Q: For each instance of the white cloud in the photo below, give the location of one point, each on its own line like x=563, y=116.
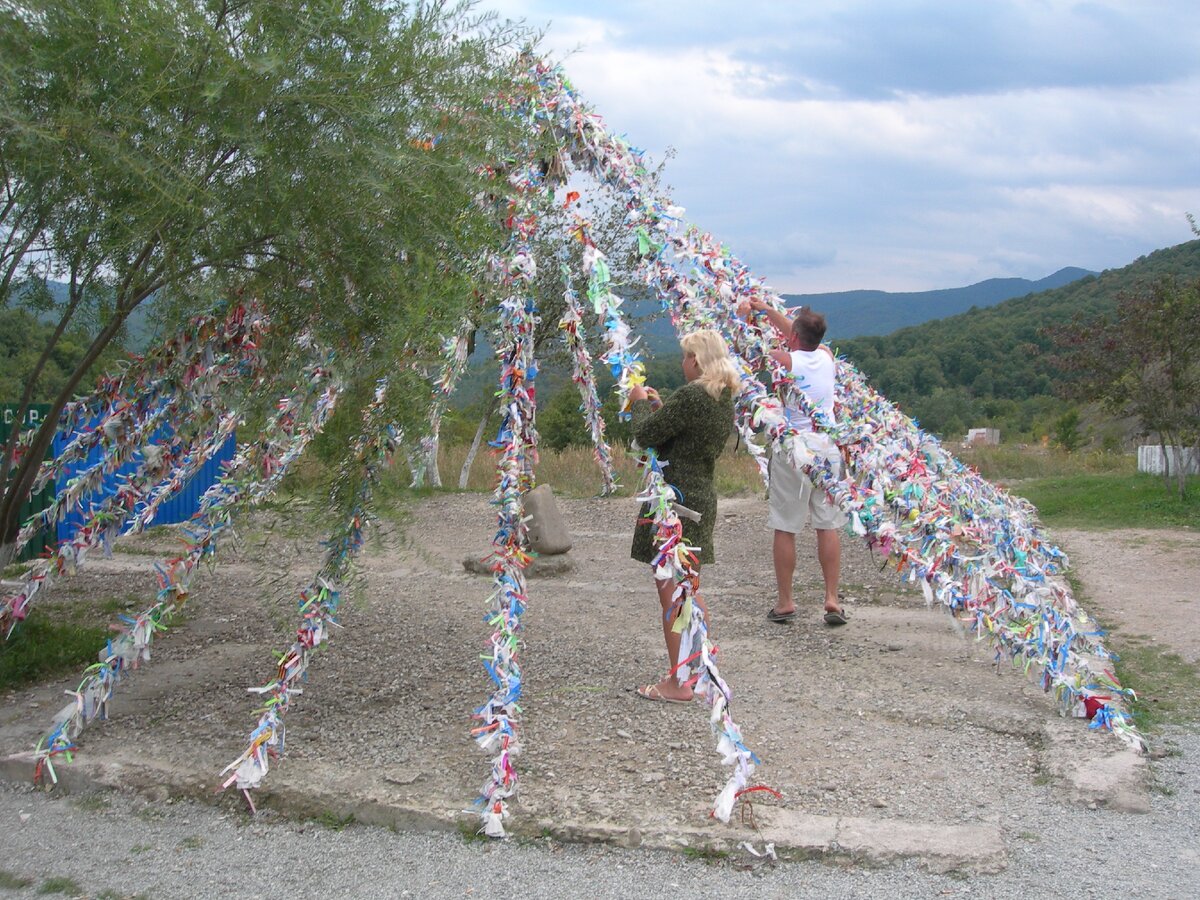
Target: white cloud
x=945, y=168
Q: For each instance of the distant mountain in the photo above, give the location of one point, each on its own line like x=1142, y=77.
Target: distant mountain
x=139, y=331
x=860, y=313
x=994, y=365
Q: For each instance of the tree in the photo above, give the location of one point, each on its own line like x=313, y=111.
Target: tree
x=1144, y=362
x=327, y=158
x=1066, y=431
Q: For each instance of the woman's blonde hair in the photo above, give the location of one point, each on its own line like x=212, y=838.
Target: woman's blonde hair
x=712, y=355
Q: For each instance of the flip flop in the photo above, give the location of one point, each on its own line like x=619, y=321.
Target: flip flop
x=835, y=617
x=781, y=618
x=652, y=693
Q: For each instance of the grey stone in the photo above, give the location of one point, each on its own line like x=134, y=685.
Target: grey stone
x=548, y=534
x=539, y=567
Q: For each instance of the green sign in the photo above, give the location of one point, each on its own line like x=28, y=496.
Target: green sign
x=34, y=416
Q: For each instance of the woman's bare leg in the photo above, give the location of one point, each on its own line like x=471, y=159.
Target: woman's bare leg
x=669, y=686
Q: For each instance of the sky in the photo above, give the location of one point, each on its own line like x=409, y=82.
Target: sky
x=902, y=145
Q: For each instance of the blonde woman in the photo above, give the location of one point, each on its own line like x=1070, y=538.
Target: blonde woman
x=688, y=432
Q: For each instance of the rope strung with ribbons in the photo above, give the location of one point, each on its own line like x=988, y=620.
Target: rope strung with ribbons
x=253, y=474
x=973, y=547
x=318, y=602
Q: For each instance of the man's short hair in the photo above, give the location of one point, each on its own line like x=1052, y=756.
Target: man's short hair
x=809, y=328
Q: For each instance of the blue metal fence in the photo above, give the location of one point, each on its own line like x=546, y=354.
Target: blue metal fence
x=178, y=508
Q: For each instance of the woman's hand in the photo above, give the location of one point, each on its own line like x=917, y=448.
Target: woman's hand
x=645, y=392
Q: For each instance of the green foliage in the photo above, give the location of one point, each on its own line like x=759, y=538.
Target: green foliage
x=1111, y=501
x=11, y=882
x=22, y=338
x=996, y=362
x=1143, y=362
x=45, y=646
x=61, y=885
x=560, y=421
x=325, y=158
x=1066, y=431
x=1167, y=686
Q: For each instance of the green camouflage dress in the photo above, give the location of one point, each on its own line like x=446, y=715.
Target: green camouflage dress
x=689, y=432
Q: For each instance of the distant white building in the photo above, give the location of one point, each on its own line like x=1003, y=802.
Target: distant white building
x=986, y=436
x=1151, y=459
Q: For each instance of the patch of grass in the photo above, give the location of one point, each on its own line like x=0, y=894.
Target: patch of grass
x=92, y=802
x=11, y=882
x=115, y=606
x=141, y=848
x=470, y=832
x=1112, y=501
x=333, y=821
x=709, y=855
x=1167, y=686
x=44, y=646
x=573, y=472
x=194, y=842
x=60, y=885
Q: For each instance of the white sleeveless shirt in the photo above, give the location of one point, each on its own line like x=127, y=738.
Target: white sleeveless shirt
x=816, y=373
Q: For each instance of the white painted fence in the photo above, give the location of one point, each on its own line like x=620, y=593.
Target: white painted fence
x=1150, y=459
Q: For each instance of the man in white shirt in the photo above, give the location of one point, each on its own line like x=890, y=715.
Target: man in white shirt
x=793, y=497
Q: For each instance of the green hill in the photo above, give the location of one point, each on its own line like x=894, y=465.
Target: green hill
x=990, y=366
x=857, y=313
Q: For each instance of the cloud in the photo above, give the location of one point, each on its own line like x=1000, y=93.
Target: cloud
x=836, y=145
x=867, y=49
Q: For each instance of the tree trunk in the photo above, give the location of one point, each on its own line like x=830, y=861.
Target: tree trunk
x=431, y=462
x=10, y=447
x=424, y=464
x=1180, y=469
x=465, y=475
x=1166, y=472
x=18, y=486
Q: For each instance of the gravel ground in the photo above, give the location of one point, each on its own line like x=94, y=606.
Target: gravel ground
x=119, y=846
x=894, y=717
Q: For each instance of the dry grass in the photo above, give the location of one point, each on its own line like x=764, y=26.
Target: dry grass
x=573, y=472
x=1009, y=462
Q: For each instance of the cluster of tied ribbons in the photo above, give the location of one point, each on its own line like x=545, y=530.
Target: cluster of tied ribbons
x=192, y=376
x=971, y=547
x=498, y=728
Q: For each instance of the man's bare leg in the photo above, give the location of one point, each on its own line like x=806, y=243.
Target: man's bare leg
x=783, y=552
x=829, y=554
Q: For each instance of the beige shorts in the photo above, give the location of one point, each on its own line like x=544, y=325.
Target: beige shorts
x=794, y=499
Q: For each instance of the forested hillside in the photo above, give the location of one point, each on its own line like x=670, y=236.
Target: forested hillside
x=857, y=313
x=992, y=366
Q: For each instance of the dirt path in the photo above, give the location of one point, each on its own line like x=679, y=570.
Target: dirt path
x=895, y=718
x=1143, y=583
